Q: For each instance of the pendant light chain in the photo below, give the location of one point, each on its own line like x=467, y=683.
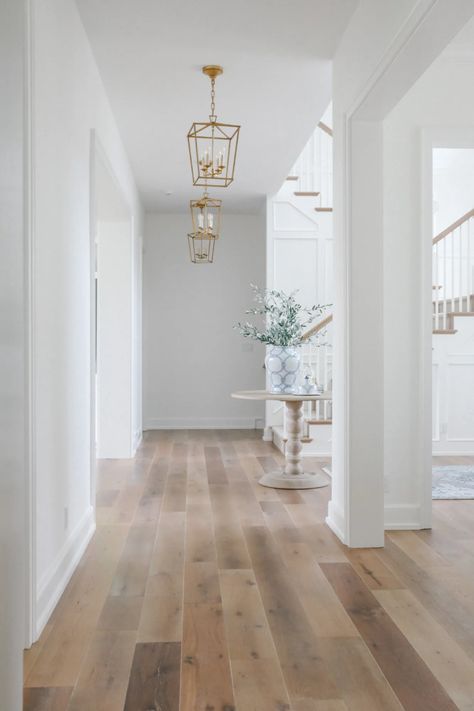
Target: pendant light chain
x=212, y=115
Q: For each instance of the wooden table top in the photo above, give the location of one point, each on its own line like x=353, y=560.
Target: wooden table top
x=283, y=397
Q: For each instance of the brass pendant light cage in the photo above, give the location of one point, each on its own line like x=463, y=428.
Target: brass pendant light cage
x=206, y=220
x=213, y=145
x=212, y=153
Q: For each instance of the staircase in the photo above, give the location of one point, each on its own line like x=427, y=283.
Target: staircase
x=306, y=199
x=453, y=274
x=306, y=212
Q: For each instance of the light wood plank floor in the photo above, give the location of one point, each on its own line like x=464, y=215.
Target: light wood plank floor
x=203, y=591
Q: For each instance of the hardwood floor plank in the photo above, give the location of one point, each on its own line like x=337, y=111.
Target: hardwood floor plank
x=102, y=683
x=407, y=673
x=372, y=570
x=132, y=570
x=451, y=607
x=201, y=583
x=325, y=612
x=446, y=659
x=216, y=473
x=46, y=698
x=327, y=705
x=304, y=670
x=155, y=678
x=174, y=497
x=359, y=678
x=200, y=544
x=247, y=630
x=259, y=686
x=422, y=554
x=161, y=619
x=120, y=612
x=229, y=539
x=206, y=681
x=31, y=655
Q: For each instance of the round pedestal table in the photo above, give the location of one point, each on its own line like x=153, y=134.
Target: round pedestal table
x=292, y=476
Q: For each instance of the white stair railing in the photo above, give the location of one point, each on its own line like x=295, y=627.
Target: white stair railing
x=453, y=272
x=316, y=356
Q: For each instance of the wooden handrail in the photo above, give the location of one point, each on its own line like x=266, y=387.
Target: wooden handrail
x=316, y=328
x=324, y=127
x=454, y=226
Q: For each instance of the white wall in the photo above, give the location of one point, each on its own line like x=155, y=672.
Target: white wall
x=453, y=386
x=69, y=101
x=438, y=101
x=13, y=410
x=453, y=185
x=114, y=340
x=193, y=359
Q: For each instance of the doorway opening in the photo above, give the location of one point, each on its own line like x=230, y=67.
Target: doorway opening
x=453, y=323
x=112, y=326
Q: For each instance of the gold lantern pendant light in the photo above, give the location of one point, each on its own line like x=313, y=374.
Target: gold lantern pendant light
x=213, y=145
x=206, y=219
x=212, y=153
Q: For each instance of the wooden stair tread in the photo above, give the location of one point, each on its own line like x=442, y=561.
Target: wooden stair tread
x=444, y=331
x=459, y=313
x=324, y=127
x=323, y=209
x=292, y=177
x=302, y=193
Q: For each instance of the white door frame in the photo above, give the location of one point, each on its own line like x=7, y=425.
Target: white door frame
x=358, y=466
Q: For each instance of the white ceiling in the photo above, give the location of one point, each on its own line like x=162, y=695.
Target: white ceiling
x=277, y=83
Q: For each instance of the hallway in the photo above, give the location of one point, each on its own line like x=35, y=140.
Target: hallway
x=203, y=586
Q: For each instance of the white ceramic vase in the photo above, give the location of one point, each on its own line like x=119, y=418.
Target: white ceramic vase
x=283, y=364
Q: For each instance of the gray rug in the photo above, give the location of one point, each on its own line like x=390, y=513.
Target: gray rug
x=453, y=482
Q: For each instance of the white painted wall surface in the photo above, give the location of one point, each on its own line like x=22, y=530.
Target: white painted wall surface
x=453, y=388
x=13, y=349
x=69, y=101
x=193, y=359
x=114, y=340
x=438, y=101
x=453, y=185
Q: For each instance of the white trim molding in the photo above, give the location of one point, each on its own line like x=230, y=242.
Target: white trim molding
x=56, y=577
x=336, y=521
x=137, y=440
x=203, y=423
x=30, y=335
x=403, y=517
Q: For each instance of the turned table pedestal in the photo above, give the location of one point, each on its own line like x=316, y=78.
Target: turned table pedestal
x=292, y=476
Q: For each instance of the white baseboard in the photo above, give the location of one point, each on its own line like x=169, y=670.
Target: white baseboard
x=203, y=423
x=335, y=521
x=454, y=453
x=402, y=517
x=137, y=441
x=55, y=579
